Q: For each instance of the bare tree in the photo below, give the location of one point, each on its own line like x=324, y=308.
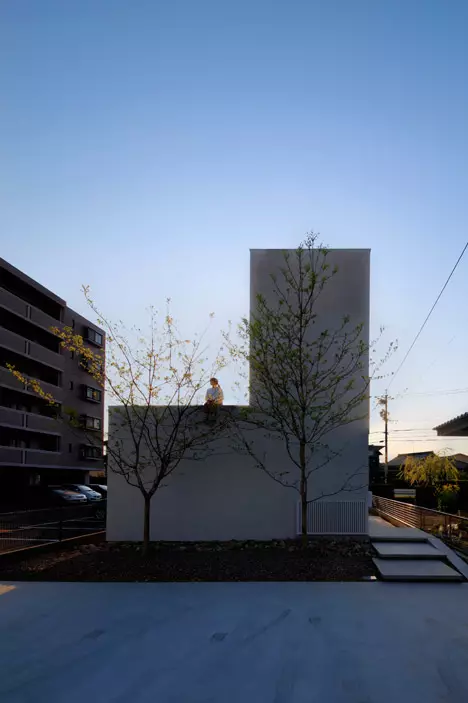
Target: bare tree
x=154, y=379
x=306, y=380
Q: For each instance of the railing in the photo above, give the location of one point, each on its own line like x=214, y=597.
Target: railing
x=451, y=528
x=27, y=528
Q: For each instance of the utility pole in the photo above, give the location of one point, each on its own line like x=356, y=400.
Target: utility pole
x=383, y=401
x=386, y=435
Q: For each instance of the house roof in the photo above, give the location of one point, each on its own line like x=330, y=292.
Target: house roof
x=400, y=459
x=456, y=427
x=461, y=460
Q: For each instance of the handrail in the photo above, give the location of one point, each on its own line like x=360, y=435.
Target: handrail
x=421, y=507
x=450, y=527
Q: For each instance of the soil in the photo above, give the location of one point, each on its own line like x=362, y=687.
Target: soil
x=288, y=560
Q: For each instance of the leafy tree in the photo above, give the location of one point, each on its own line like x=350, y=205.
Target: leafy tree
x=154, y=379
x=437, y=471
x=306, y=380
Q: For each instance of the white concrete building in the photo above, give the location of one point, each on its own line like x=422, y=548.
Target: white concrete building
x=226, y=496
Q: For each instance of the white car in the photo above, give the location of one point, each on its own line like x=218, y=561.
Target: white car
x=81, y=488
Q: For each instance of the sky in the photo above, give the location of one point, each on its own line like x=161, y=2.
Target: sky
x=146, y=146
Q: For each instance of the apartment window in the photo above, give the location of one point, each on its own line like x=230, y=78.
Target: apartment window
x=73, y=323
x=94, y=365
x=70, y=448
x=71, y=385
x=93, y=394
x=90, y=452
x=94, y=337
x=93, y=423
x=72, y=355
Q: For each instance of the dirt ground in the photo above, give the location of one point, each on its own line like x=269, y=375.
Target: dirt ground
x=288, y=560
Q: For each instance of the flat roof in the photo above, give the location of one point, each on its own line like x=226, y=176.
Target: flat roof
x=27, y=279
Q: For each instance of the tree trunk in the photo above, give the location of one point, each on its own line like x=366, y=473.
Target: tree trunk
x=146, y=524
x=303, y=491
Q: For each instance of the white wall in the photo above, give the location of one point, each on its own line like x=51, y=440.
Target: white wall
x=226, y=496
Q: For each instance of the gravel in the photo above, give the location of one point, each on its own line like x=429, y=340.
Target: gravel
x=280, y=560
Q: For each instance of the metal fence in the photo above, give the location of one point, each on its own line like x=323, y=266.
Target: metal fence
x=451, y=528
x=27, y=528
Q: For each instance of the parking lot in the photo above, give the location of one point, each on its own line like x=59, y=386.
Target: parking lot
x=26, y=528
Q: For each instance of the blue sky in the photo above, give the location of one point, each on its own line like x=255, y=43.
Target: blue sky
x=147, y=146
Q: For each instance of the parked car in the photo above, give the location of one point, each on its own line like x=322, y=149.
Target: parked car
x=91, y=495
x=100, y=488
x=50, y=496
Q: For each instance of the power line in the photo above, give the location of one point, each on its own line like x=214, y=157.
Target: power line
x=410, y=429
x=447, y=391
x=427, y=439
x=429, y=314
x=453, y=391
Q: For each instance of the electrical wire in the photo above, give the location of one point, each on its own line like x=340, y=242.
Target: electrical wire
x=428, y=315
x=408, y=429
x=426, y=439
x=453, y=391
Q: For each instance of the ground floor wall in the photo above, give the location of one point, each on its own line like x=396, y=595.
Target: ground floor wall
x=225, y=496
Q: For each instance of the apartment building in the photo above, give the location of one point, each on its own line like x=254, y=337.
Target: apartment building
x=36, y=444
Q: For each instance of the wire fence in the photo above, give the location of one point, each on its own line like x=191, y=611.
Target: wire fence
x=27, y=528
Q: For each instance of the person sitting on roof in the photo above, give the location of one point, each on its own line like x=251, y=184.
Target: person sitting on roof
x=214, y=395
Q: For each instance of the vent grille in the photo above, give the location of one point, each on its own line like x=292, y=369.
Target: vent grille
x=335, y=517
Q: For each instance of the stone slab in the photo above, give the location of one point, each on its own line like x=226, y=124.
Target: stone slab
x=380, y=530
x=416, y=570
x=452, y=557
x=407, y=550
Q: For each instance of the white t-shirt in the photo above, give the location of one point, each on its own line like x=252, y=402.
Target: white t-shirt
x=215, y=395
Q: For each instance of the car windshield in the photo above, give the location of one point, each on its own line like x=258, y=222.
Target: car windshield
x=81, y=488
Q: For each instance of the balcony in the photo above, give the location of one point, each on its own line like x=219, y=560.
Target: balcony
x=23, y=327
x=10, y=301
x=11, y=418
x=46, y=356
x=38, y=457
x=7, y=379
x=11, y=455
x=21, y=307
x=28, y=421
x=41, y=423
x=19, y=344
x=29, y=457
x=13, y=341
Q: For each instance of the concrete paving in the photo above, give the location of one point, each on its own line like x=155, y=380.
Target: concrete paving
x=406, y=550
x=413, y=570
x=234, y=643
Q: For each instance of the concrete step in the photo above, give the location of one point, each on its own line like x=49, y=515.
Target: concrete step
x=415, y=570
x=398, y=534
x=406, y=550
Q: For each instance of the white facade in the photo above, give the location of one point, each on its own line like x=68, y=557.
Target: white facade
x=225, y=496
